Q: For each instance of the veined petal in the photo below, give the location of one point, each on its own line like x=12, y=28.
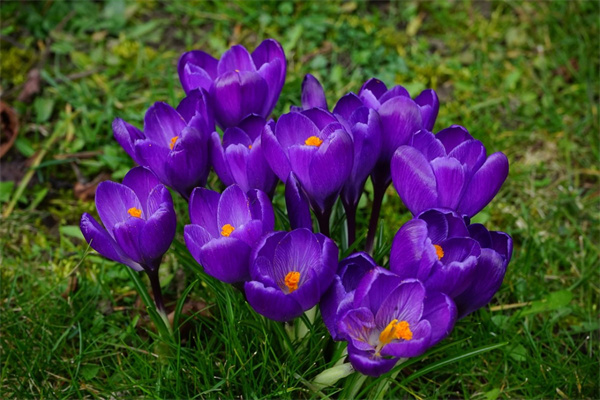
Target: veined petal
x=405, y=303
x=162, y=123
x=297, y=205
x=272, y=302
x=312, y=93
x=113, y=200
x=429, y=103
x=226, y=259
x=203, y=210
x=234, y=208
x=484, y=185
x=414, y=179
x=196, y=69
x=126, y=135
x=453, y=136
x=400, y=119
x=158, y=232
x=411, y=348
x=274, y=153
x=235, y=59
x=293, y=129
x=412, y=254
x=450, y=181
x=261, y=209
x=367, y=363
x=142, y=181
x=440, y=311
x=195, y=237
x=127, y=234
x=153, y=156
x=218, y=161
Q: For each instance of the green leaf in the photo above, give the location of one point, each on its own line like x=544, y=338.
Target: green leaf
x=518, y=353
x=71, y=230
x=88, y=372
x=492, y=394
x=43, y=109
x=551, y=302
x=6, y=189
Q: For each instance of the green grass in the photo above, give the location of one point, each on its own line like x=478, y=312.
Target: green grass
x=521, y=76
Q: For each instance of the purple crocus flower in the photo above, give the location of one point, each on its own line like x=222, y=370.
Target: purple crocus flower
x=290, y=271
x=296, y=203
x=466, y=263
x=240, y=158
x=436, y=249
x=449, y=170
x=239, y=83
x=339, y=298
x=139, y=223
x=174, y=144
x=393, y=318
x=224, y=229
x=401, y=117
x=317, y=148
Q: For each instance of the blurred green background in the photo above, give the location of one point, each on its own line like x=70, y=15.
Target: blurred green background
x=521, y=76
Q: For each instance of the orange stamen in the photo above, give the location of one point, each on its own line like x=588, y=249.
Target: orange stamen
x=135, y=212
x=291, y=280
x=394, y=330
x=226, y=230
x=173, y=140
x=439, y=251
x=313, y=141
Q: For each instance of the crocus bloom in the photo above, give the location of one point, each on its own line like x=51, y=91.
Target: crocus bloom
x=240, y=158
x=313, y=95
x=239, y=83
x=290, y=272
x=224, y=229
x=339, y=298
x=317, y=148
x=449, y=170
x=296, y=203
x=364, y=125
x=174, y=144
x=436, y=249
x=496, y=251
x=139, y=224
x=392, y=318
x=401, y=117
x=138, y=218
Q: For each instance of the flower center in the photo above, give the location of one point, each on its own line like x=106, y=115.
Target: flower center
x=291, y=280
x=439, y=251
x=250, y=146
x=313, y=141
x=173, y=140
x=135, y=212
x=226, y=230
x=394, y=330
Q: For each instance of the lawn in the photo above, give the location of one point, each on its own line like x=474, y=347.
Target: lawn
x=521, y=76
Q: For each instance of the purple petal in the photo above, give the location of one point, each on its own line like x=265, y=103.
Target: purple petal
x=450, y=180
x=261, y=209
x=374, y=288
x=195, y=237
x=400, y=119
x=103, y=243
x=453, y=136
x=203, y=210
x=196, y=69
x=297, y=204
x=414, y=179
x=312, y=93
x=260, y=175
x=329, y=305
x=470, y=153
x=375, y=86
x=353, y=268
x=235, y=59
x=405, y=303
x=266, y=52
x=293, y=129
x=218, y=161
x=503, y=244
x=126, y=135
x=367, y=363
x=112, y=202
x=153, y=156
x=412, y=254
x=484, y=185
x=297, y=251
x=347, y=105
x=253, y=125
x=430, y=105
x=443, y=224
x=455, y=271
x=274, y=153
x=158, y=232
x=394, y=92
x=265, y=247
x=320, y=117
x=226, y=259
x=234, y=208
x=236, y=156
x=269, y=58
x=440, y=311
x=426, y=143
x=236, y=95
x=301, y=157
x=127, y=234
x=488, y=276
x=271, y=302
x=356, y=326
x=162, y=123
x=141, y=180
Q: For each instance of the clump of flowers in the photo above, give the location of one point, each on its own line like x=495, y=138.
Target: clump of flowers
x=441, y=267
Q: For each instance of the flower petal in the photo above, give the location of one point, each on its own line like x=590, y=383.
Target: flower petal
x=127, y=234
x=218, y=161
x=126, y=135
x=412, y=254
x=298, y=209
x=261, y=209
x=235, y=59
x=158, y=232
x=274, y=153
x=429, y=103
x=162, y=123
x=367, y=363
x=234, y=208
x=404, y=303
x=293, y=129
x=411, y=348
x=195, y=237
x=112, y=202
x=141, y=180
x=453, y=136
x=450, y=181
x=414, y=179
x=155, y=157
x=103, y=243
x=236, y=95
x=484, y=185
x=203, y=210
x=440, y=311
x=226, y=259
x=196, y=69
x=272, y=302
x=400, y=119
x=312, y=93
